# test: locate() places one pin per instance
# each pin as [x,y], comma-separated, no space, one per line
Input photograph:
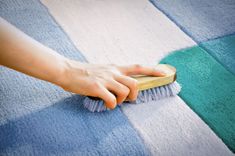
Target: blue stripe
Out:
[201,19]
[68,128]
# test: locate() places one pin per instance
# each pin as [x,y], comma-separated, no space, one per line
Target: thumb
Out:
[141,70]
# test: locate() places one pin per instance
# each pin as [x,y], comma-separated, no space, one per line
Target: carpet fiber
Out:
[38,118]
[170,127]
[21,94]
[201,19]
[208,88]
[223,50]
[125,32]
[119,31]
[66,128]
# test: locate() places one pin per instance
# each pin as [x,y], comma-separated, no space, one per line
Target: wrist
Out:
[69,69]
[59,78]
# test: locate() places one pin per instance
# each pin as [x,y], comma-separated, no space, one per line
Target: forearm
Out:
[22,53]
[111,83]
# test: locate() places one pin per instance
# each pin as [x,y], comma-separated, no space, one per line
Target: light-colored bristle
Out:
[157,93]
[152,94]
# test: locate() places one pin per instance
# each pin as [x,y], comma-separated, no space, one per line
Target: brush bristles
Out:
[152,94]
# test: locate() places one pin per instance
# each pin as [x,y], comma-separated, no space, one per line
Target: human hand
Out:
[111,83]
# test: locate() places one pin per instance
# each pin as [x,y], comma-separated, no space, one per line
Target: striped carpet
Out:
[38,118]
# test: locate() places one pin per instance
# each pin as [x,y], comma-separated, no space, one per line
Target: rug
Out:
[38,118]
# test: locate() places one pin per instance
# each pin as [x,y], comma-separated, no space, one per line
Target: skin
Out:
[111,83]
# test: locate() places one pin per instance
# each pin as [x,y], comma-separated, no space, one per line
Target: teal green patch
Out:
[208,88]
[223,49]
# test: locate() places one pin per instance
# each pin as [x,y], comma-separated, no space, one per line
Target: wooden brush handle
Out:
[147,82]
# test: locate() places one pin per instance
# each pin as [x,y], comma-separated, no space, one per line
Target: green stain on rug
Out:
[208,88]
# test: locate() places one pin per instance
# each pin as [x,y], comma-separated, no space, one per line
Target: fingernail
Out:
[163,74]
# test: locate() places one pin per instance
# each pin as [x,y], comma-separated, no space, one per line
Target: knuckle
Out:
[127,90]
[95,85]
[133,97]
[134,84]
[134,90]
[112,100]
[124,92]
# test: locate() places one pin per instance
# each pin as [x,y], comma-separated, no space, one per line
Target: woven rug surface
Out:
[197,37]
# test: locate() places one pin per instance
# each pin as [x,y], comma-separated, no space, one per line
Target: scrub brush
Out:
[150,88]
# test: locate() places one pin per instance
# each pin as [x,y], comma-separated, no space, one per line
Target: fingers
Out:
[140,70]
[131,84]
[107,96]
[114,93]
[120,90]
[114,85]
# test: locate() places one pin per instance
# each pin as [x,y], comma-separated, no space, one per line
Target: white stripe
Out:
[125,32]
[170,127]
[120,32]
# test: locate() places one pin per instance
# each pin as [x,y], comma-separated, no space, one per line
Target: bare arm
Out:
[22,53]
[108,82]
